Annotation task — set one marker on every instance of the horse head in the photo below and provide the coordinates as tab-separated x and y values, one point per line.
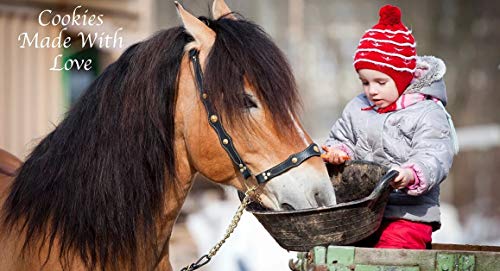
251	92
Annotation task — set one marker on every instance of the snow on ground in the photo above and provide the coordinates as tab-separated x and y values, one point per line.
250	247
451	231
478	229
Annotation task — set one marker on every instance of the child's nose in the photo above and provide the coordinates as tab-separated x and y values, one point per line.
372	90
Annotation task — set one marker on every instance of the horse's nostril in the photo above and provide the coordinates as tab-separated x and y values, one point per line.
319	199
287	207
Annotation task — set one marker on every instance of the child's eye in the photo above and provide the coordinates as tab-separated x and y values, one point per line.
364	83
382	83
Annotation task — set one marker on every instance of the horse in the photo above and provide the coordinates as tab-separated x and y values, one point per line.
102	191
9	164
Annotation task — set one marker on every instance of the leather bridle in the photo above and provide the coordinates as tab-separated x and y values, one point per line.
226	142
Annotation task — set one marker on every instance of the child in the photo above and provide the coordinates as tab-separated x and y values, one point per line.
399	122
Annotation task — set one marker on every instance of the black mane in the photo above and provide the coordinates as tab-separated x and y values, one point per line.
97	182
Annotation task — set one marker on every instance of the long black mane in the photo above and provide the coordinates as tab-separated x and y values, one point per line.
97	182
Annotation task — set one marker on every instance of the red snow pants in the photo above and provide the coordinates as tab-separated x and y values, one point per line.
400	233
404	234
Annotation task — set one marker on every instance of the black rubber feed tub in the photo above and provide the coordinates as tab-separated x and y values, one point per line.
362	189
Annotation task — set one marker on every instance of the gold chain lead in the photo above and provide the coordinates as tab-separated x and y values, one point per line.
234	222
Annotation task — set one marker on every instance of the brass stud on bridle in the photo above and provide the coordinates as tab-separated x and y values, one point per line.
266	175
316	149
214	118
295	160
225	141
204	95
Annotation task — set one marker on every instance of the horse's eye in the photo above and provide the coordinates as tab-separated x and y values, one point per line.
249	102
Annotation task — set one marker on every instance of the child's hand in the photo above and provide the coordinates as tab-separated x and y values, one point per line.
333	155
404	179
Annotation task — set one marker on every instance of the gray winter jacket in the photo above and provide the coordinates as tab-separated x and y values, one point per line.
417	137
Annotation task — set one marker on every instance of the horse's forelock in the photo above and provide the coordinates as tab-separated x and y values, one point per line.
243	49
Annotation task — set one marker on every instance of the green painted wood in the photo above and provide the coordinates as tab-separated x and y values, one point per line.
338	258
466	262
319	255
455	262
362	267
446	262
425	259
340	255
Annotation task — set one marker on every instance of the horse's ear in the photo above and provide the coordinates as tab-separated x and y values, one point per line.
219	9
204	36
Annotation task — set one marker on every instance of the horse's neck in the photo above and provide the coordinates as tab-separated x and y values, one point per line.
177	191
8	163
5	182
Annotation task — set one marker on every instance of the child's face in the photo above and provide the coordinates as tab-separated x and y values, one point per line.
379	87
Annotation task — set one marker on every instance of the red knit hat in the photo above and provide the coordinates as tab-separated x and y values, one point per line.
388	47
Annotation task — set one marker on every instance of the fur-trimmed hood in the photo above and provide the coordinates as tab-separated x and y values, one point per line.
429	78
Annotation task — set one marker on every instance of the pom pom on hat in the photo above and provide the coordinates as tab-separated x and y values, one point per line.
389	15
388	47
